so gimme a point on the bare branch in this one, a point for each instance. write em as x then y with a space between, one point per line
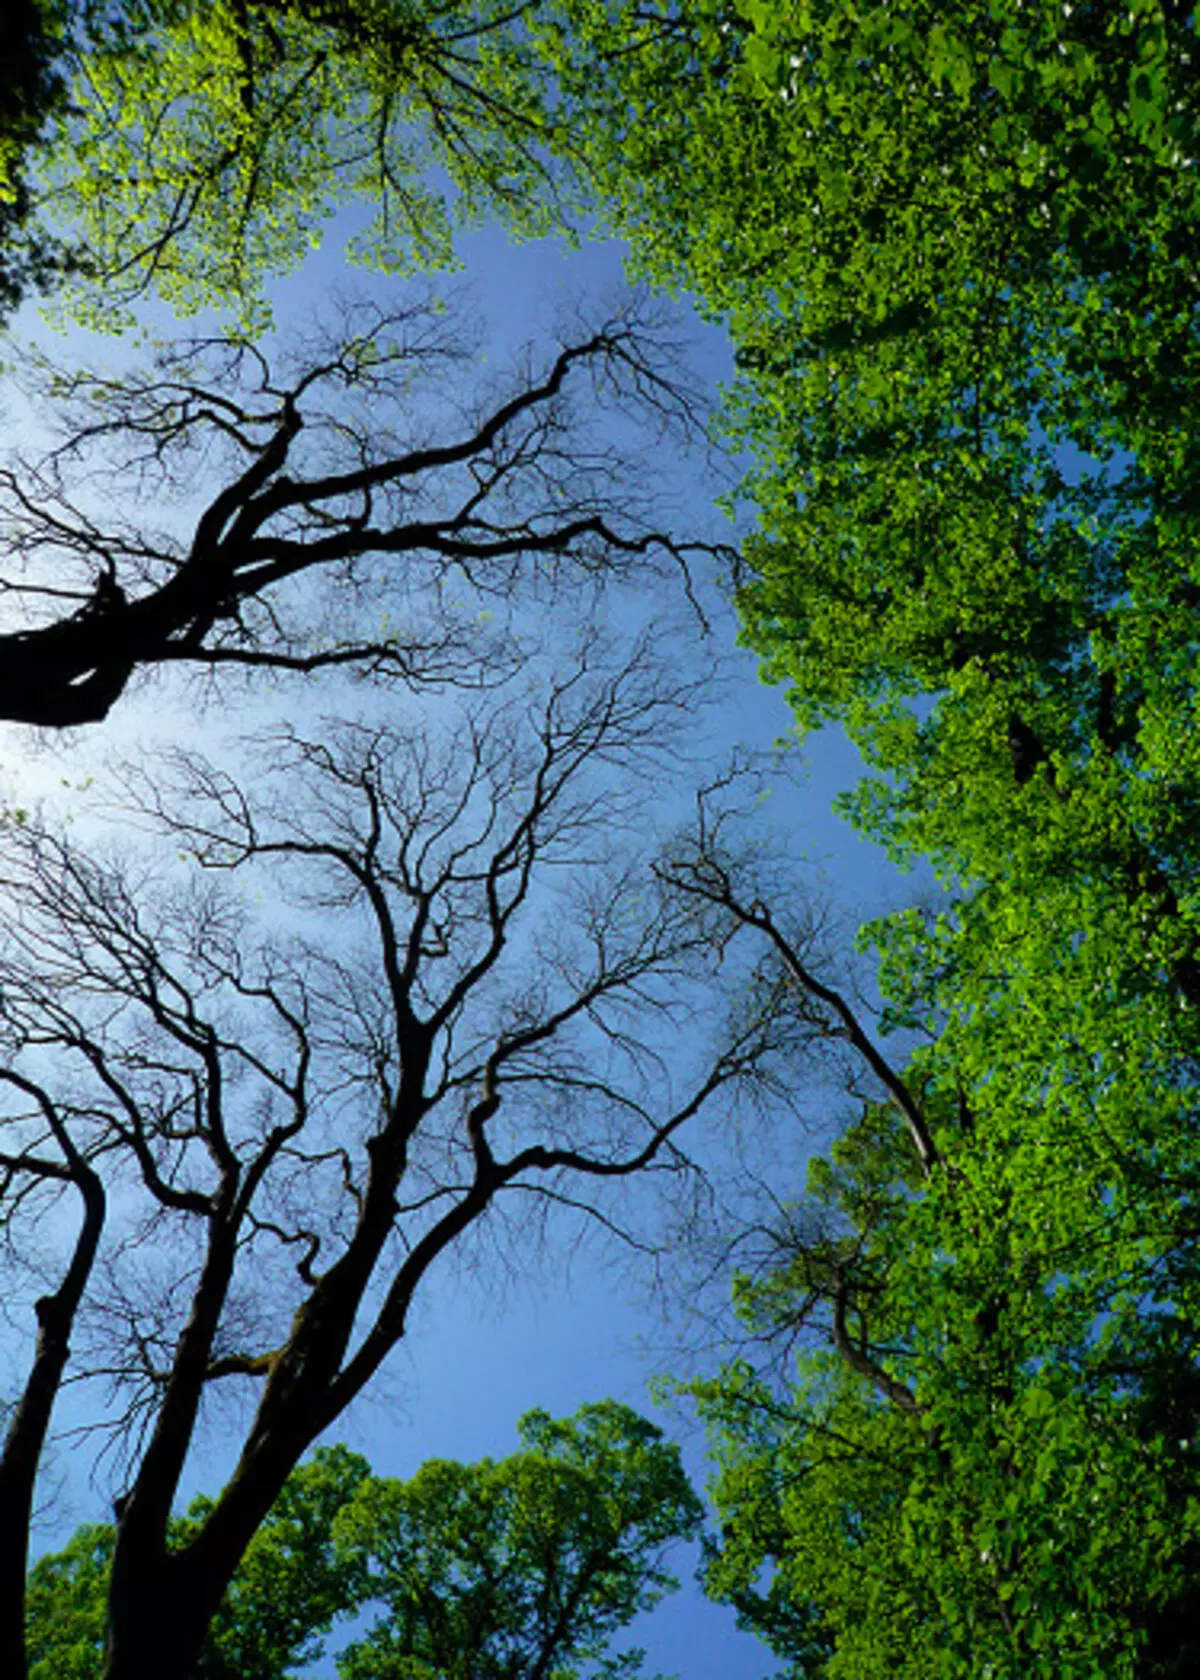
477 985
349 465
701 869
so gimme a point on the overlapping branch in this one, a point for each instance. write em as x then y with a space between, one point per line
484 987
353 468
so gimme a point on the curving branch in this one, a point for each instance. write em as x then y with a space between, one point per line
321 479
55 1314
701 872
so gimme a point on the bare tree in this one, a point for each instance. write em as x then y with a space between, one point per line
356 462
749 899
235 1157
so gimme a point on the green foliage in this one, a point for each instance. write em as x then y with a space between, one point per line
956 257
211 143
65 1607
290 1588
526 1567
956 247
294 1582
29 84
32 87
1036 1513
523 1567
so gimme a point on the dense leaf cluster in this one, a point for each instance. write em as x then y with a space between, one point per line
503 1570
957 251
32 90
210 144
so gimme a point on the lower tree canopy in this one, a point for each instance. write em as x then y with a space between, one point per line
510 1570
985 1457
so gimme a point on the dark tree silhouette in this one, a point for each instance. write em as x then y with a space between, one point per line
231 1161
359 463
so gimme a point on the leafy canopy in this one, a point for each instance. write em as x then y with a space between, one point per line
292 1585
957 248
32 89
210 144
1033 1512
511 1569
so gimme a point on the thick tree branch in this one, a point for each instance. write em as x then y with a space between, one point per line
495 501
25 1438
